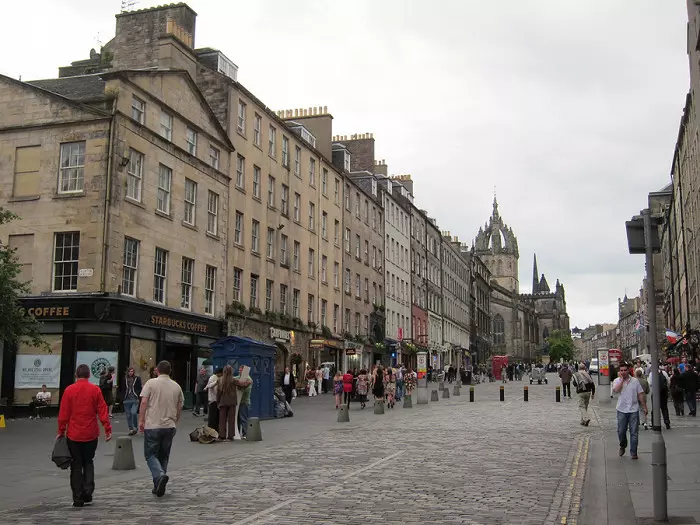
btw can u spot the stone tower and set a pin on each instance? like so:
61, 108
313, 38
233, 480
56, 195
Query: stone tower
497, 246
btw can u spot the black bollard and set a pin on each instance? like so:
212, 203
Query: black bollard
525, 393
471, 394
503, 393
557, 395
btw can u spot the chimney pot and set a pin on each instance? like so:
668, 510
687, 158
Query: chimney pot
325, 110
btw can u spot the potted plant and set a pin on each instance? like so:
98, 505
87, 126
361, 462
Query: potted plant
326, 332
295, 358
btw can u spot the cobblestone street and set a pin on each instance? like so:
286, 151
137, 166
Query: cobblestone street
452, 461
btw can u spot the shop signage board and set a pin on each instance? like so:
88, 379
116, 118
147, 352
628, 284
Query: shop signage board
35, 370
603, 367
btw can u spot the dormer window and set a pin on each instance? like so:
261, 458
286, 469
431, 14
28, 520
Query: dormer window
374, 187
346, 161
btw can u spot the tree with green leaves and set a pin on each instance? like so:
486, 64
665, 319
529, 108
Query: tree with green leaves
561, 346
15, 324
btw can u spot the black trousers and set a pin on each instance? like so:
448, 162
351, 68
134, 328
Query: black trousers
567, 388
82, 468
287, 389
213, 416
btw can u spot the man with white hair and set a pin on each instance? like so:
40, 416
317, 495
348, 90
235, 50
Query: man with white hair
585, 388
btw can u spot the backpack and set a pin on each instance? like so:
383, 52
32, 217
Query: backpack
582, 383
663, 382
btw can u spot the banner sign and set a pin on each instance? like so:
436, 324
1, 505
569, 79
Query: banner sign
603, 367
32, 371
422, 364
98, 361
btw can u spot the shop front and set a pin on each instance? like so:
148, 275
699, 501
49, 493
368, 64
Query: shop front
102, 331
327, 351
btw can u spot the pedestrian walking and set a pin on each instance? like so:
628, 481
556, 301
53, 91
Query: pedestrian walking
161, 408
212, 389
390, 388
631, 397
201, 406
639, 374
82, 404
585, 388
689, 379
311, 381
664, 381
348, 380
362, 388
132, 391
243, 409
565, 375
288, 384
107, 387
338, 388
677, 392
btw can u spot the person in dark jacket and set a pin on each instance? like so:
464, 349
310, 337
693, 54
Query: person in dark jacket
131, 391
565, 375
677, 392
288, 384
689, 379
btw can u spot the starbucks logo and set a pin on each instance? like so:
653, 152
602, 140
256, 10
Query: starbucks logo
98, 365
37, 363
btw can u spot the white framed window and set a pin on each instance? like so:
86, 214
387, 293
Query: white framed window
366, 252
312, 216
269, 286
130, 266
283, 298
284, 255
138, 109
257, 127
312, 263
270, 243
324, 269
374, 257
346, 160
270, 191
191, 140
296, 298
357, 246
347, 320
285, 151
297, 161
358, 285
272, 142
324, 308
210, 290
310, 310
190, 202
186, 283
66, 257
336, 274
160, 275
374, 218
285, 200
256, 182
297, 207
347, 197
240, 171
366, 211
238, 232
336, 192
253, 290
336, 313
71, 175
336, 232
366, 289
165, 179
295, 256
357, 205
324, 182
347, 240
241, 117
214, 155
348, 278
312, 171
255, 236
213, 213
134, 175
237, 277
357, 324
324, 225
166, 125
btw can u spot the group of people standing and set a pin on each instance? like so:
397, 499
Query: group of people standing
386, 384
223, 389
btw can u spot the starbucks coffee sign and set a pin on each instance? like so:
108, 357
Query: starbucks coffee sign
279, 335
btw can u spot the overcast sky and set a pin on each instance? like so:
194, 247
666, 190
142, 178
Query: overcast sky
570, 108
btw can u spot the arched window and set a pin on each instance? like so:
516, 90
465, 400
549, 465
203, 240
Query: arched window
545, 333
499, 328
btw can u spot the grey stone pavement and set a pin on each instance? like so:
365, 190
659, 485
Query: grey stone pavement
449, 462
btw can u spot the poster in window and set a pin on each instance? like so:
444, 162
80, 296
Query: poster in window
33, 370
98, 361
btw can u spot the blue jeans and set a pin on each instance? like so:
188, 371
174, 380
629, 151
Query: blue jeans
631, 420
399, 389
243, 419
156, 447
692, 402
131, 408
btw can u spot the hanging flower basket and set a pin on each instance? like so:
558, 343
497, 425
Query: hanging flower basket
296, 358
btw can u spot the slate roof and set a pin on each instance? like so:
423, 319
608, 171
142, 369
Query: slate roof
82, 88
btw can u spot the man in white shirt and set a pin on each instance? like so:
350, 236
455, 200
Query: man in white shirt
631, 397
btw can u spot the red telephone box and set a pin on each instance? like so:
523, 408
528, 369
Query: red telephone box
498, 362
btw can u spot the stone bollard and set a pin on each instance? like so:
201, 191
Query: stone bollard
344, 414
434, 396
379, 407
407, 402
502, 393
254, 430
441, 386
446, 393
557, 394
123, 454
525, 393
455, 390
471, 394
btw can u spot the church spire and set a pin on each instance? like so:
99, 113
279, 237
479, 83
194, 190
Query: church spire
535, 280
495, 204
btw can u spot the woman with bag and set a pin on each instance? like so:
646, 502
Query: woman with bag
130, 397
107, 387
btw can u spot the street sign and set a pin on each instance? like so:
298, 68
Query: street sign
615, 356
603, 367
422, 364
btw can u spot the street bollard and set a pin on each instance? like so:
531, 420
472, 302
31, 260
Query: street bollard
407, 402
254, 430
344, 414
441, 386
471, 394
379, 407
434, 396
455, 390
502, 394
446, 393
123, 454
557, 394
525, 393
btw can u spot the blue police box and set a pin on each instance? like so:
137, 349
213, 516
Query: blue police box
260, 357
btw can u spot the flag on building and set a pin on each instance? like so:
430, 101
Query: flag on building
672, 336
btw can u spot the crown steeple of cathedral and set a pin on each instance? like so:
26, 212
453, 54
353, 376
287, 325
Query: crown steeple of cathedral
535, 282
495, 236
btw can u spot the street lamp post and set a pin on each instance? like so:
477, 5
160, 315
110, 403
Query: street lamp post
643, 237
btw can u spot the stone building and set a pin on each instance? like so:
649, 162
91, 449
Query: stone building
521, 322
121, 181
455, 300
419, 277
480, 306
596, 337
630, 325
434, 288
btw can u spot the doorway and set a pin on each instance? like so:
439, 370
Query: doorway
180, 357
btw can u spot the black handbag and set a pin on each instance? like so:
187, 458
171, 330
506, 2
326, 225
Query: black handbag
61, 454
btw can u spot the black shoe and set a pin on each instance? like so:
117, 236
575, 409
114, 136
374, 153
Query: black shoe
153, 491
622, 451
78, 503
668, 426
160, 485
87, 498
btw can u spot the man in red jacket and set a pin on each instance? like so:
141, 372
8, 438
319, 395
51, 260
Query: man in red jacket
81, 404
